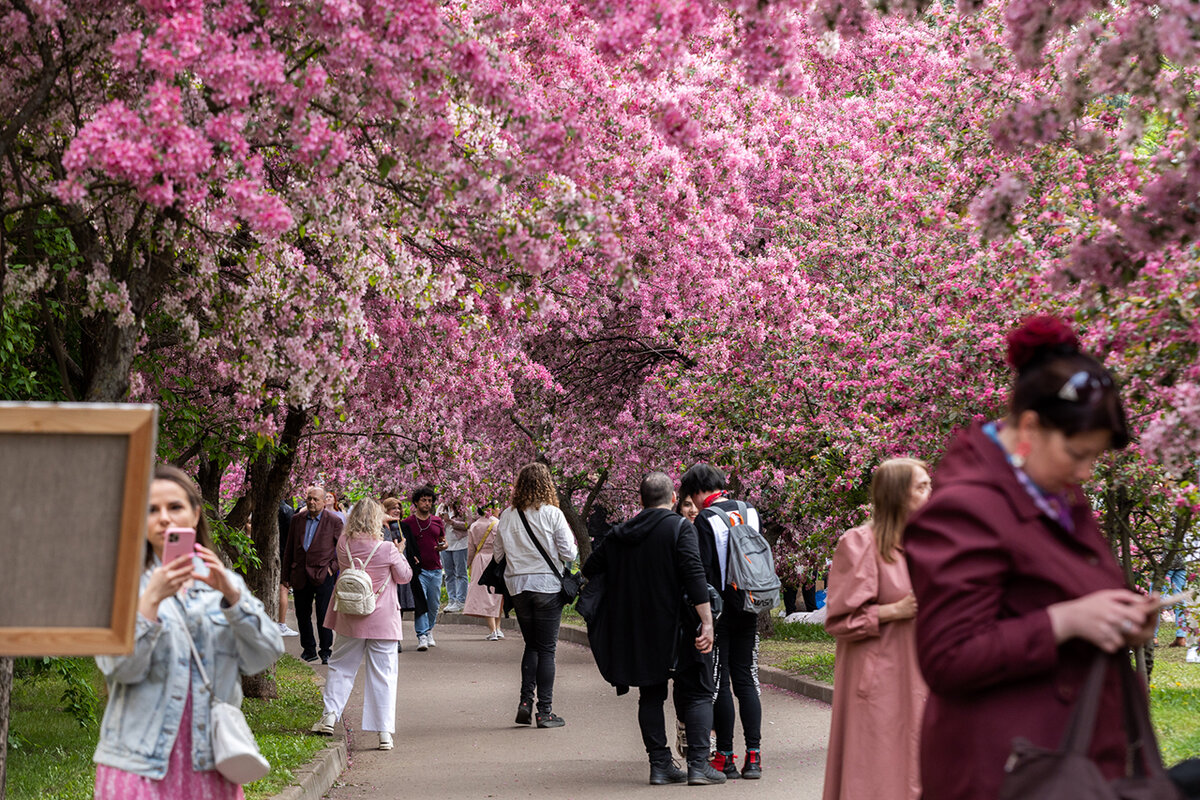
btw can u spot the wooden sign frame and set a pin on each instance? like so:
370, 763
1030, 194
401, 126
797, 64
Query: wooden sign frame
60, 424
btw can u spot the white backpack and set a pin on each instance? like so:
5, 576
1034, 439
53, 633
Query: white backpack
354, 593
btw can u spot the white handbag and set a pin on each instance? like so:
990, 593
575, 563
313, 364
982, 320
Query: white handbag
235, 750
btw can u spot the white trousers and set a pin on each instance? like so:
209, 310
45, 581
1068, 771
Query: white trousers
379, 691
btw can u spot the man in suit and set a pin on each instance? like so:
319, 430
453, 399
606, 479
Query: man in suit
310, 569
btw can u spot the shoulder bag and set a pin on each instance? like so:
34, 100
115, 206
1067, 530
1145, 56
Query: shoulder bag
492, 575
1035, 773
235, 750
571, 581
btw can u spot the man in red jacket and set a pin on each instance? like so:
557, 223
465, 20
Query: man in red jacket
310, 569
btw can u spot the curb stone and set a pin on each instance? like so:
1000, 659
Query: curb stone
318, 776
814, 689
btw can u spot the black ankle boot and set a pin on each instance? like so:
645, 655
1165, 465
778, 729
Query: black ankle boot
525, 712
661, 774
701, 773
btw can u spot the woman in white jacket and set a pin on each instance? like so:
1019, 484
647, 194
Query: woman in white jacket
533, 585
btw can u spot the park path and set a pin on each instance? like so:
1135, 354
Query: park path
455, 736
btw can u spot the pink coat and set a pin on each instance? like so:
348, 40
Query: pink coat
389, 567
878, 693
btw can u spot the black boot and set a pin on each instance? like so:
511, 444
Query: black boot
668, 772
701, 773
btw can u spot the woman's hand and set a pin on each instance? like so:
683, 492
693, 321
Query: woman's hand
905, 608
1110, 619
217, 577
165, 581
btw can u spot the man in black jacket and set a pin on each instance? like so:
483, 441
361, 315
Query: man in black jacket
645, 634
737, 629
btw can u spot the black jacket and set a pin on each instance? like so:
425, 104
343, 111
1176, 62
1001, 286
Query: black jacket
635, 638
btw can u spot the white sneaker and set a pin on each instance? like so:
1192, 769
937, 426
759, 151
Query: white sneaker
429, 638
499, 634
453, 608
385, 740
492, 637
422, 643
325, 724
284, 630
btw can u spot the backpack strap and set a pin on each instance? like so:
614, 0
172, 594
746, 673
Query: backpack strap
363, 564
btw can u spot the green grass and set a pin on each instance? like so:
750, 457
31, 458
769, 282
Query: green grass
806, 649
1175, 704
50, 754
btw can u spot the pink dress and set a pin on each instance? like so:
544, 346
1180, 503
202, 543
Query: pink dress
181, 781
387, 568
878, 693
481, 601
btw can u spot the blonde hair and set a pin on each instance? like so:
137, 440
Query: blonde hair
891, 488
366, 520
534, 488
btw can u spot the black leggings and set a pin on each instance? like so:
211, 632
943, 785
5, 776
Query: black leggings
538, 615
737, 654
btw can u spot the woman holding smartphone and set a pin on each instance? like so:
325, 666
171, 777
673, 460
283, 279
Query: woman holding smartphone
154, 741
1017, 588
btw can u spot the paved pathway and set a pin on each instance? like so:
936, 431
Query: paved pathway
455, 736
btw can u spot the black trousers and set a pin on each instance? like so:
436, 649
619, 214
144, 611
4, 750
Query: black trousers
737, 657
302, 601
538, 615
693, 698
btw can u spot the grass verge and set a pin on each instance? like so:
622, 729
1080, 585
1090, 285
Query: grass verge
50, 754
807, 650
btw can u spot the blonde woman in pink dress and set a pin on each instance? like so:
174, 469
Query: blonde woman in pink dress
481, 600
372, 635
878, 692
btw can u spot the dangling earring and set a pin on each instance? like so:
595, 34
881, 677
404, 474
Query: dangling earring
1018, 458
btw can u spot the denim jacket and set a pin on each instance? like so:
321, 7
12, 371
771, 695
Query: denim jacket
146, 688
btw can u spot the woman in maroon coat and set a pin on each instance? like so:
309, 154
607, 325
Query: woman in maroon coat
1016, 586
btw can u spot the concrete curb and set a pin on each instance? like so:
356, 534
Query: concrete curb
319, 775
770, 675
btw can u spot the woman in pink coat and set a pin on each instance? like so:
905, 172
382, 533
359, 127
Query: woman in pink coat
878, 693
374, 634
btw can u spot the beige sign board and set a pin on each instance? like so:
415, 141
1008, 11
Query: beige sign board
74, 486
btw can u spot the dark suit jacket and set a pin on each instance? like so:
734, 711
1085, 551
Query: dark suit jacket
985, 563
303, 569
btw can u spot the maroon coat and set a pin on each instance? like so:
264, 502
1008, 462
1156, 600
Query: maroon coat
301, 569
985, 563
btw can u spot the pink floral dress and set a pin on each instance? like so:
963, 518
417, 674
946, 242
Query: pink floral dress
181, 781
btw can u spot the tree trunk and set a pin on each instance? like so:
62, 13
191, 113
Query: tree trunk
6, 683
577, 523
268, 479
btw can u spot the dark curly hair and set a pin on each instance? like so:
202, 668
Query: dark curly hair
534, 488
425, 490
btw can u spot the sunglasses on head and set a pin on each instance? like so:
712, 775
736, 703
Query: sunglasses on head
1084, 387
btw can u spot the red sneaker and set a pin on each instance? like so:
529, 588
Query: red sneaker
724, 763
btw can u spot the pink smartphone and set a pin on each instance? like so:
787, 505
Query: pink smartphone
182, 542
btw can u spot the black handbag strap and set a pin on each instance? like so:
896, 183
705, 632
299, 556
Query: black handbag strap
539, 547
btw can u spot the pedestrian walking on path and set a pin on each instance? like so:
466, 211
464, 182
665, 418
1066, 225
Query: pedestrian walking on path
426, 535
875, 736
534, 514
372, 635
482, 601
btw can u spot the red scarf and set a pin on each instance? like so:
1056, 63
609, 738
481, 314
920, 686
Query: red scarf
712, 498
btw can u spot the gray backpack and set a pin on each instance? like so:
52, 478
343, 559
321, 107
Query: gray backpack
749, 567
